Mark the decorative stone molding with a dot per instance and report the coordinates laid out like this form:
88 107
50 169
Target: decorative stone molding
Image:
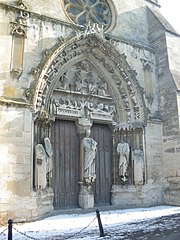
148 69
147 65
19 32
19 27
29 93
126 126
102 54
43 119
21 5
12 103
16 73
82 109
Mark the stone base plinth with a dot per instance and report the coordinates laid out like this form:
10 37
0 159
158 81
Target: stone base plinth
137 196
86 197
45 201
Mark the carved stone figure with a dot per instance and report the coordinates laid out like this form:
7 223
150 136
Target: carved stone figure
82 78
123 152
90 146
41 166
49 151
138 160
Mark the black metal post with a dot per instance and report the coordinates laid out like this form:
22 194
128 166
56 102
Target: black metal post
100 223
10 222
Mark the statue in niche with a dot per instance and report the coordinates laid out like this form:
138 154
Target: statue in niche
90 147
41 166
44 165
138 162
49 152
123 152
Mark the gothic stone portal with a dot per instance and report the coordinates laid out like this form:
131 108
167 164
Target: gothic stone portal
82 96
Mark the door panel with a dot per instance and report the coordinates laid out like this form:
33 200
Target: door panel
65 142
102 135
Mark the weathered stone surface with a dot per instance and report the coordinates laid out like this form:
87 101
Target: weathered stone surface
138 63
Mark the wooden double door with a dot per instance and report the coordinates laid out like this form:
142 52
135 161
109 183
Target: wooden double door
66 168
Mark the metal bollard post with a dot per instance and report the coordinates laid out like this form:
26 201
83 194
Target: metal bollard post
100 223
10 222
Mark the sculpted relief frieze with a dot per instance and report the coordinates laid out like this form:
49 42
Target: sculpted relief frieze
82 108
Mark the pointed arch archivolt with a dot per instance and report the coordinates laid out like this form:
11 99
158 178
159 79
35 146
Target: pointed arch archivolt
107 62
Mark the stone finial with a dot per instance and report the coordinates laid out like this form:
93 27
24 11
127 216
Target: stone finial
21 4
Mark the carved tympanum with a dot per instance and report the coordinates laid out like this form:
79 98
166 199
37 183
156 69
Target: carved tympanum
81 78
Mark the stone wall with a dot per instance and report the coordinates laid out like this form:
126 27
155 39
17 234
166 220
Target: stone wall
168 101
153 142
16 157
135 196
142 60
18 200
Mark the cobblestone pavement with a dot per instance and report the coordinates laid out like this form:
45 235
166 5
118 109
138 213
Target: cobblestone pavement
163 228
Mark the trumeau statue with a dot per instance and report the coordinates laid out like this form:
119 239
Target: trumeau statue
90 147
138 160
123 152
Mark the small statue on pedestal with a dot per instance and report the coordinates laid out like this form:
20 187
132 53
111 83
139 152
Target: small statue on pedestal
123 152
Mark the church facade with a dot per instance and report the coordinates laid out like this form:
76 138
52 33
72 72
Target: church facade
89 106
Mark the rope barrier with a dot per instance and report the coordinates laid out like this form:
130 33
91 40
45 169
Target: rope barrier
25 235
1 233
33 238
81 230
64 235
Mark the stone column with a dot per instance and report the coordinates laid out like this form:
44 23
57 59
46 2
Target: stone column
81 163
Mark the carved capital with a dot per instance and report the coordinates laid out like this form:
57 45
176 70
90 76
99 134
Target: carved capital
43 119
19 27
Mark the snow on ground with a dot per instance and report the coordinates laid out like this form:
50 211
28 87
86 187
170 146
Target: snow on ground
74 224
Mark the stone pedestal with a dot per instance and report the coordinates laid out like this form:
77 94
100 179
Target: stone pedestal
86 197
137 195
